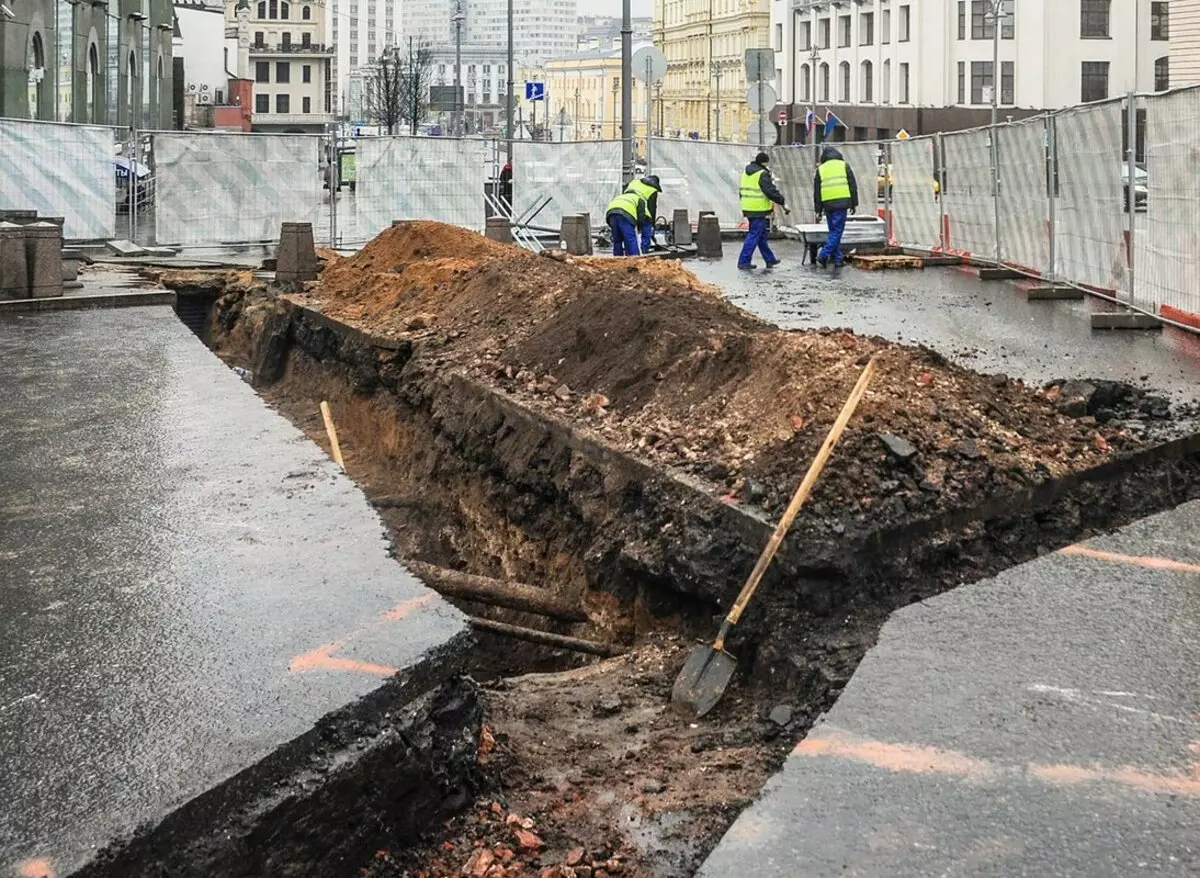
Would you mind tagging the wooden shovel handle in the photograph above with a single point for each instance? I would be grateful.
(798, 499)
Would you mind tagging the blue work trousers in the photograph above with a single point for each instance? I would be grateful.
(647, 236)
(836, 220)
(756, 237)
(624, 235)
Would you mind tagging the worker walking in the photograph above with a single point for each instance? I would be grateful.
(759, 195)
(624, 216)
(835, 191)
(647, 189)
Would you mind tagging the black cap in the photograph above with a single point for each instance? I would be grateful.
(761, 159)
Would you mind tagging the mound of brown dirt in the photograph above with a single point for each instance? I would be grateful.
(654, 363)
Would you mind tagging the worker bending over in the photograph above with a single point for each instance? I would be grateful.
(647, 188)
(759, 195)
(624, 216)
(835, 191)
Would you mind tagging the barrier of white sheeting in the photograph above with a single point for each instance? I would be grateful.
(580, 177)
(1167, 233)
(702, 176)
(916, 207)
(60, 170)
(792, 168)
(428, 178)
(968, 198)
(1024, 204)
(234, 188)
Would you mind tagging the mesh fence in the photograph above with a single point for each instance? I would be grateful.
(432, 178)
(792, 168)
(702, 176)
(1024, 204)
(577, 178)
(1090, 217)
(970, 211)
(916, 205)
(215, 189)
(1167, 233)
(60, 170)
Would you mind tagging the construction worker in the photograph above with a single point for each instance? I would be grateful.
(835, 191)
(624, 216)
(647, 189)
(759, 195)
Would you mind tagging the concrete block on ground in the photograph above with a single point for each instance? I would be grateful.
(125, 247)
(1054, 293)
(71, 261)
(994, 273)
(20, 217)
(681, 229)
(498, 228)
(14, 268)
(708, 236)
(43, 260)
(1125, 320)
(161, 251)
(587, 224)
(576, 234)
(296, 260)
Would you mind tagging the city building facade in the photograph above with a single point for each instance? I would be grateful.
(583, 97)
(604, 31)
(923, 66)
(104, 63)
(359, 31)
(1185, 42)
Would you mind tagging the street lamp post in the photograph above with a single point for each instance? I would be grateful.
(996, 14)
(459, 17)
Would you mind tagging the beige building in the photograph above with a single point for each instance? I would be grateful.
(583, 97)
(705, 42)
(282, 50)
(1185, 42)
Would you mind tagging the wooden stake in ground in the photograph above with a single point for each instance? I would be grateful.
(332, 431)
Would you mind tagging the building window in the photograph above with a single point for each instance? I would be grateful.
(262, 71)
(962, 19)
(981, 20)
(306, 13)
(260, 39)
(904, 82)
(306, 105)
(778, 37)
(823, 28)
(283, 103)
(306, 41)
(1162, 73)
(844, 82)
(866, 29)
(1008, 83)
(905, 24)
(1094, 81)
(286, 41)
(262, 10)
(867, 86)
(824, 82)
(306, 73)
(1159, 22)
(962, 82)
(262, 103)
(273, 8)
(1094, 19)
(806, 35)
(886, 85)
(805, 82)
(843, 31)
(981, 82)
(283, 71)
(885, 27)
(284, 11)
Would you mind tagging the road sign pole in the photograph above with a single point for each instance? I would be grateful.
(649, 114)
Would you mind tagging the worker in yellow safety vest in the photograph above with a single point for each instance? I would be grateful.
(647, 188)
(759, 195)
(835, 191)
(624, 215)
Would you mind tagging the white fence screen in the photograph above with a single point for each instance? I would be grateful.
(702, 176)
(970, 211)
(1167, 234)
(1024, 204)
(224, 188)
(431, 178)
(60, 170)
(1090, 215)
(792, 168)
(916, 208)
(578, 177)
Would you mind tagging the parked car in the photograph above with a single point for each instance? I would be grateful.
(1141, 186)
(143, 183)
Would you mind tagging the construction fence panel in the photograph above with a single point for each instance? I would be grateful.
(863, 159)
(428, 178)
(792, 168)
(1024, 203)
(215, 189)
(1089, 209)
(968, 199)
(1167, 233)
(707, 177)
(916, 208)
(60, 170)
(578, 177)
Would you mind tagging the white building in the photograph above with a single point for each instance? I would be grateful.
(1185, 42)
(208, 57)
(359, 31)
(926, 65)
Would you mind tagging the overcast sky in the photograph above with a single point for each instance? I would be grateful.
(641, 8)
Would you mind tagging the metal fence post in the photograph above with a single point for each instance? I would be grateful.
(940, 160)
(1130, 190)
(1052, 194)
(995, 132)
(888, 177)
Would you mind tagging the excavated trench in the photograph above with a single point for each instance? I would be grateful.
(585, 754)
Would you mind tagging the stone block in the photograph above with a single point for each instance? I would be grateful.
(296, 260)
(19, 217)
(125, 247)
(575, 233)
(14, 271)
(43, 259)
(994, 273)
(1125, 320)
(1054, 293)
(681, 229)
(498, 228)
(708, 236)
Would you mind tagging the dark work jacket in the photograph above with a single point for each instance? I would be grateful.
(767, 185)
(840, 203)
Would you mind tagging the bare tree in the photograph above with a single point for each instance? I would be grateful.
(397, 90)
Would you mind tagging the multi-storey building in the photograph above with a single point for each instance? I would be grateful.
(705, 41)
(281, 49)
(583, 97)
(108, 63)
(1185, 42)
(359, 30)
(603, 31)
(927, 65)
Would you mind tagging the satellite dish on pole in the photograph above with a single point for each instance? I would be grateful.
(649, 64)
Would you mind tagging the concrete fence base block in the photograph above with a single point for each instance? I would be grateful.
(43, 259)
(1054, 293)
(297, 257)
(14, 271)
(681, 229)
(708, 236)
(498, 228)
(576, 234)
(1125, 320)
(994, 273)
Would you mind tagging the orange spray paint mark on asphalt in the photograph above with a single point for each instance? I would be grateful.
(400, 611)
(39, 868)
(322, 658)
(1148, 561)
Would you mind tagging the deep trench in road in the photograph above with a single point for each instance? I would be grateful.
(583, 769)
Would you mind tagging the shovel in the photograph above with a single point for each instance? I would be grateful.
(708, 669)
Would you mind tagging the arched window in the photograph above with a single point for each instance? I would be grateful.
(844, 82)
(273, 9)
(867, 86)
(306, 13)
(824, 82)
(805, 83)
(886, 85)
(37, 68)
(92, 93)
(262, 9)
(284, 10)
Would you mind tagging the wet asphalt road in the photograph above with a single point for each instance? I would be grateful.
(1045, 722)
(987, 326)
(186, 582)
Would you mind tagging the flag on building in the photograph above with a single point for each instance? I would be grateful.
(832, 122)
(810, 122)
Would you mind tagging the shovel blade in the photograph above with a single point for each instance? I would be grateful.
(703, 680)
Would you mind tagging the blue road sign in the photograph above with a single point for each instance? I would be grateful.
(535, 91)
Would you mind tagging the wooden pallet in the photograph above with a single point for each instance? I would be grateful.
(886, 263)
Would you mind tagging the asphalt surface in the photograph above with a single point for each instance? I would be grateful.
(1044, 722)
(186, 581)
(987, 326)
